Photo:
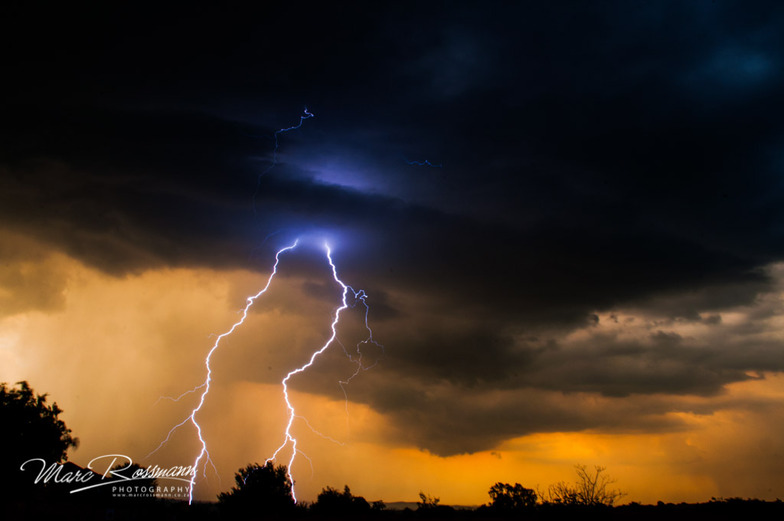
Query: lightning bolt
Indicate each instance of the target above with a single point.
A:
(205, 386)
(424, 163)
(306, 115)
(358, 296)
(350, 298)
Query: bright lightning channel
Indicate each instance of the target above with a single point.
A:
(205, 386)
(358, 296)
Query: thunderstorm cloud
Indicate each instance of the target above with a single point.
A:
(609, 202)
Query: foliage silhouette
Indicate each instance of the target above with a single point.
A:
(331, 502)
(511, 498)
(260, 488)
(30, 429)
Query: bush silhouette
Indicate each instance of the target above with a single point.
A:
(511, 498)
(260, 488)
(331, 502)
(30, 429)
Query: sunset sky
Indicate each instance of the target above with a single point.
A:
(588, 269)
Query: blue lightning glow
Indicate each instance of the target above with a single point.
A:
(349, 298)
(203, 457)
(424, 163)
(306, 115)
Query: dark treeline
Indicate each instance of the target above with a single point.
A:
(265, 492)
(151, 510)
(32, 429)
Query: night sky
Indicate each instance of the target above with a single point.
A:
(586, 267)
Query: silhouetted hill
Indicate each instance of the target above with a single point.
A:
(74, 508)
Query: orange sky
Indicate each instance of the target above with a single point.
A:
(107, 348)
(568, 218)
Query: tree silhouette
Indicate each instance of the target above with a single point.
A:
(427, 502)
(30, 429)
(590, 489)
(331, 502)
(260, 488)
(428, 506)
(510, 498)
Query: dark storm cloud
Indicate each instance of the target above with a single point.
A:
(655, 362)
(119, 191)
(127, 190)
(595, 156)
(450, 420)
